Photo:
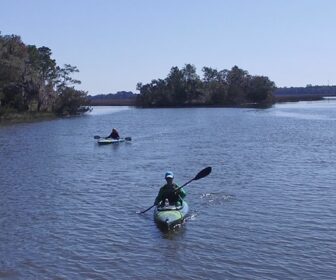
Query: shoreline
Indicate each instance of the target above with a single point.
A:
(29, 117)
(26, 117)
(277, 98)
(298, 98)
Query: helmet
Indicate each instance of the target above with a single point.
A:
(169, 174)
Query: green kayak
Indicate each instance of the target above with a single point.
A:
(168, 216)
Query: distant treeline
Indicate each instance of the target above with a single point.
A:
(31, 81)
(291, 94)
(121, 98)
(303, 93)
(184, 88)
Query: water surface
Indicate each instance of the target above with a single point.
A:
(267, 211)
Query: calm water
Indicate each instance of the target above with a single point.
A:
(267, 211)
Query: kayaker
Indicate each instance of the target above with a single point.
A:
(168, 191)
(114, 134)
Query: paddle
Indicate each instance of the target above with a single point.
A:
(203, 173)
(98, 137)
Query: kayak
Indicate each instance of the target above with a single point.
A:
(169, 216)
(106, 141)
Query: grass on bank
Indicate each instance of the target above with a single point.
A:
(26, 117)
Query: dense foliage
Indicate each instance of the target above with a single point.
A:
(30, 80)
(183, 87)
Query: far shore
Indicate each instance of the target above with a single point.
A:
(113, 102)
(34, 116)
(297, 98)
(278, 99)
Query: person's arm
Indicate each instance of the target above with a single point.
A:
(181, 192)
(158, 197)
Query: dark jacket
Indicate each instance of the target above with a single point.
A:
(168, 192)
(114, 134)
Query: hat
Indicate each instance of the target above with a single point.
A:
(169, 174)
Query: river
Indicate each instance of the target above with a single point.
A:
(267, 211)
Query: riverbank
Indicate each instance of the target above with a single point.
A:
(297, 98)
(26, 117)
(43, 116)
(277, 99)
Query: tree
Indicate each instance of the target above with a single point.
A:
(237, 80)
(64, 76)
(41, 77)
(215, 85)
(12, 64)
(210, 75)
(29, 75)
(192, 83)
(235, 87)
(261, 90)
(71, 102)
(176, 85)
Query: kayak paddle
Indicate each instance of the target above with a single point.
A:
(203, 173)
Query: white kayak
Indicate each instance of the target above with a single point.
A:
(106, 141)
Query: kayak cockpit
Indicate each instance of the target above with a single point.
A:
(169, 208)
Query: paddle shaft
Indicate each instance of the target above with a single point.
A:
(184, 185)
(147, 209)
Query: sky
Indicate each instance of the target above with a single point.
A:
(117, 43)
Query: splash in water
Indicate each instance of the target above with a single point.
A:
(215, 198)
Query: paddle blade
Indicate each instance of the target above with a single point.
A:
(128, 138)
(96, 137)
(203, 173)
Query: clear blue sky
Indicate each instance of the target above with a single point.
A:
(117, 43)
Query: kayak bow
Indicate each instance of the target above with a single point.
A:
(169, 216)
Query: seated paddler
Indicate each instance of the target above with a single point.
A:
(114, 135)
(170, 191)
